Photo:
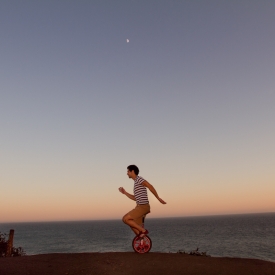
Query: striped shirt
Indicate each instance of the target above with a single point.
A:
(140, 191)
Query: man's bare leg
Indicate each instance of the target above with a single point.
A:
(130, 221)
(135, 230)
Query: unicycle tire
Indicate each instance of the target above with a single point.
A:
(142, 244)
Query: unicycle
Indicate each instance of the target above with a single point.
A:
(142, 244)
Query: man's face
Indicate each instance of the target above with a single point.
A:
(130, 174)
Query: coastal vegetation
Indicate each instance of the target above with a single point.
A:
(194, 253)
(4, 247)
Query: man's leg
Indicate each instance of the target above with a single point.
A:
(134, 218)
(129, 220)
(135, 230)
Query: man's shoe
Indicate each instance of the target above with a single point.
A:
(142, 234)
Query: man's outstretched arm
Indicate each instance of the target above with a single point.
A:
(130, 196)
(153, 190)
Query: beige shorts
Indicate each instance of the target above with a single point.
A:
(139, 211)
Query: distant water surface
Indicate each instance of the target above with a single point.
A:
(244, 236)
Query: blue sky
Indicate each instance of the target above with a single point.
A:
(190, 100)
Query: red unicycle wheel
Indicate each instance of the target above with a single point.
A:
(142, 244)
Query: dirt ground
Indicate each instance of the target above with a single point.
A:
(132, 263)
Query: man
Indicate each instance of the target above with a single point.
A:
(134, 217)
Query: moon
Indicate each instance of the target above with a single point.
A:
(127, 40)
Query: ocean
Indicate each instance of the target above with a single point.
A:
(242, 236)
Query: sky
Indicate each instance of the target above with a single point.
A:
(183, 89)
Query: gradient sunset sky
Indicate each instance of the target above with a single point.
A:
(183, 89)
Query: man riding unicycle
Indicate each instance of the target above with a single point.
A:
(135, 216)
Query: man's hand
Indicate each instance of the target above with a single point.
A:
(121, 189)
(130, 196)
(162, 201)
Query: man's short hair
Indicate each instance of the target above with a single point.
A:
(133, 167)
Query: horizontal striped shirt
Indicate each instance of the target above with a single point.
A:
(140, 191)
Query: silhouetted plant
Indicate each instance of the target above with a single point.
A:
(3, 244)
(194, 253)
(3, 247)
